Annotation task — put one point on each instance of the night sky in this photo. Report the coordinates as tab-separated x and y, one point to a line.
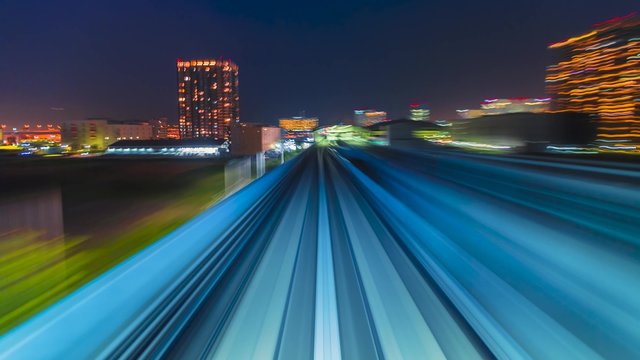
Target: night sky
117	58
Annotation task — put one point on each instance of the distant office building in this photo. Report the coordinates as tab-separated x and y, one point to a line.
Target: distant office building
298	127
599	73
50	134
250	139
173	132
507	106
94	134
368	117
159	128
208	99
130	130
419	112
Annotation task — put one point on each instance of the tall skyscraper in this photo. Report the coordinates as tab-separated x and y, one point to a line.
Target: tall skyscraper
599	73
208	99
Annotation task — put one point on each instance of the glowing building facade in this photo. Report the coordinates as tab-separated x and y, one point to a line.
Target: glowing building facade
368	117
30	134
298	127
419	112
599	73
173	132
507	106
208	99
90	134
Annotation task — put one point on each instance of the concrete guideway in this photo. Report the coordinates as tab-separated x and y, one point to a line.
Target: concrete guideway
372	253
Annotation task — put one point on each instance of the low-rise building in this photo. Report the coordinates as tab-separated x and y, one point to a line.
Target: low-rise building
45	134
507	106
97	134
527	131
250	139
159	128
130	130
298	128
169	147
368	117
90	134
405	132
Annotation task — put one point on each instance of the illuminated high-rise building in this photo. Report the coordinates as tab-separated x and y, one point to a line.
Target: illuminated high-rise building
208	99
599	73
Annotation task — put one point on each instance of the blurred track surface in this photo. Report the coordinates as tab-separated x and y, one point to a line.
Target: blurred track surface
361	253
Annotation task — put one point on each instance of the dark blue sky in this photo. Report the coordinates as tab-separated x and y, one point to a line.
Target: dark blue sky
117	58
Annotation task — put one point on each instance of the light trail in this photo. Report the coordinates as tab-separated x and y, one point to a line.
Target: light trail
373	253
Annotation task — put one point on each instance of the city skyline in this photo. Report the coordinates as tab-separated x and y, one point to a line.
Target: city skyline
290	63
345	179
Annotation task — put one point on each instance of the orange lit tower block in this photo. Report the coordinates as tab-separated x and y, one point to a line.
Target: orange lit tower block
599	73
208	99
